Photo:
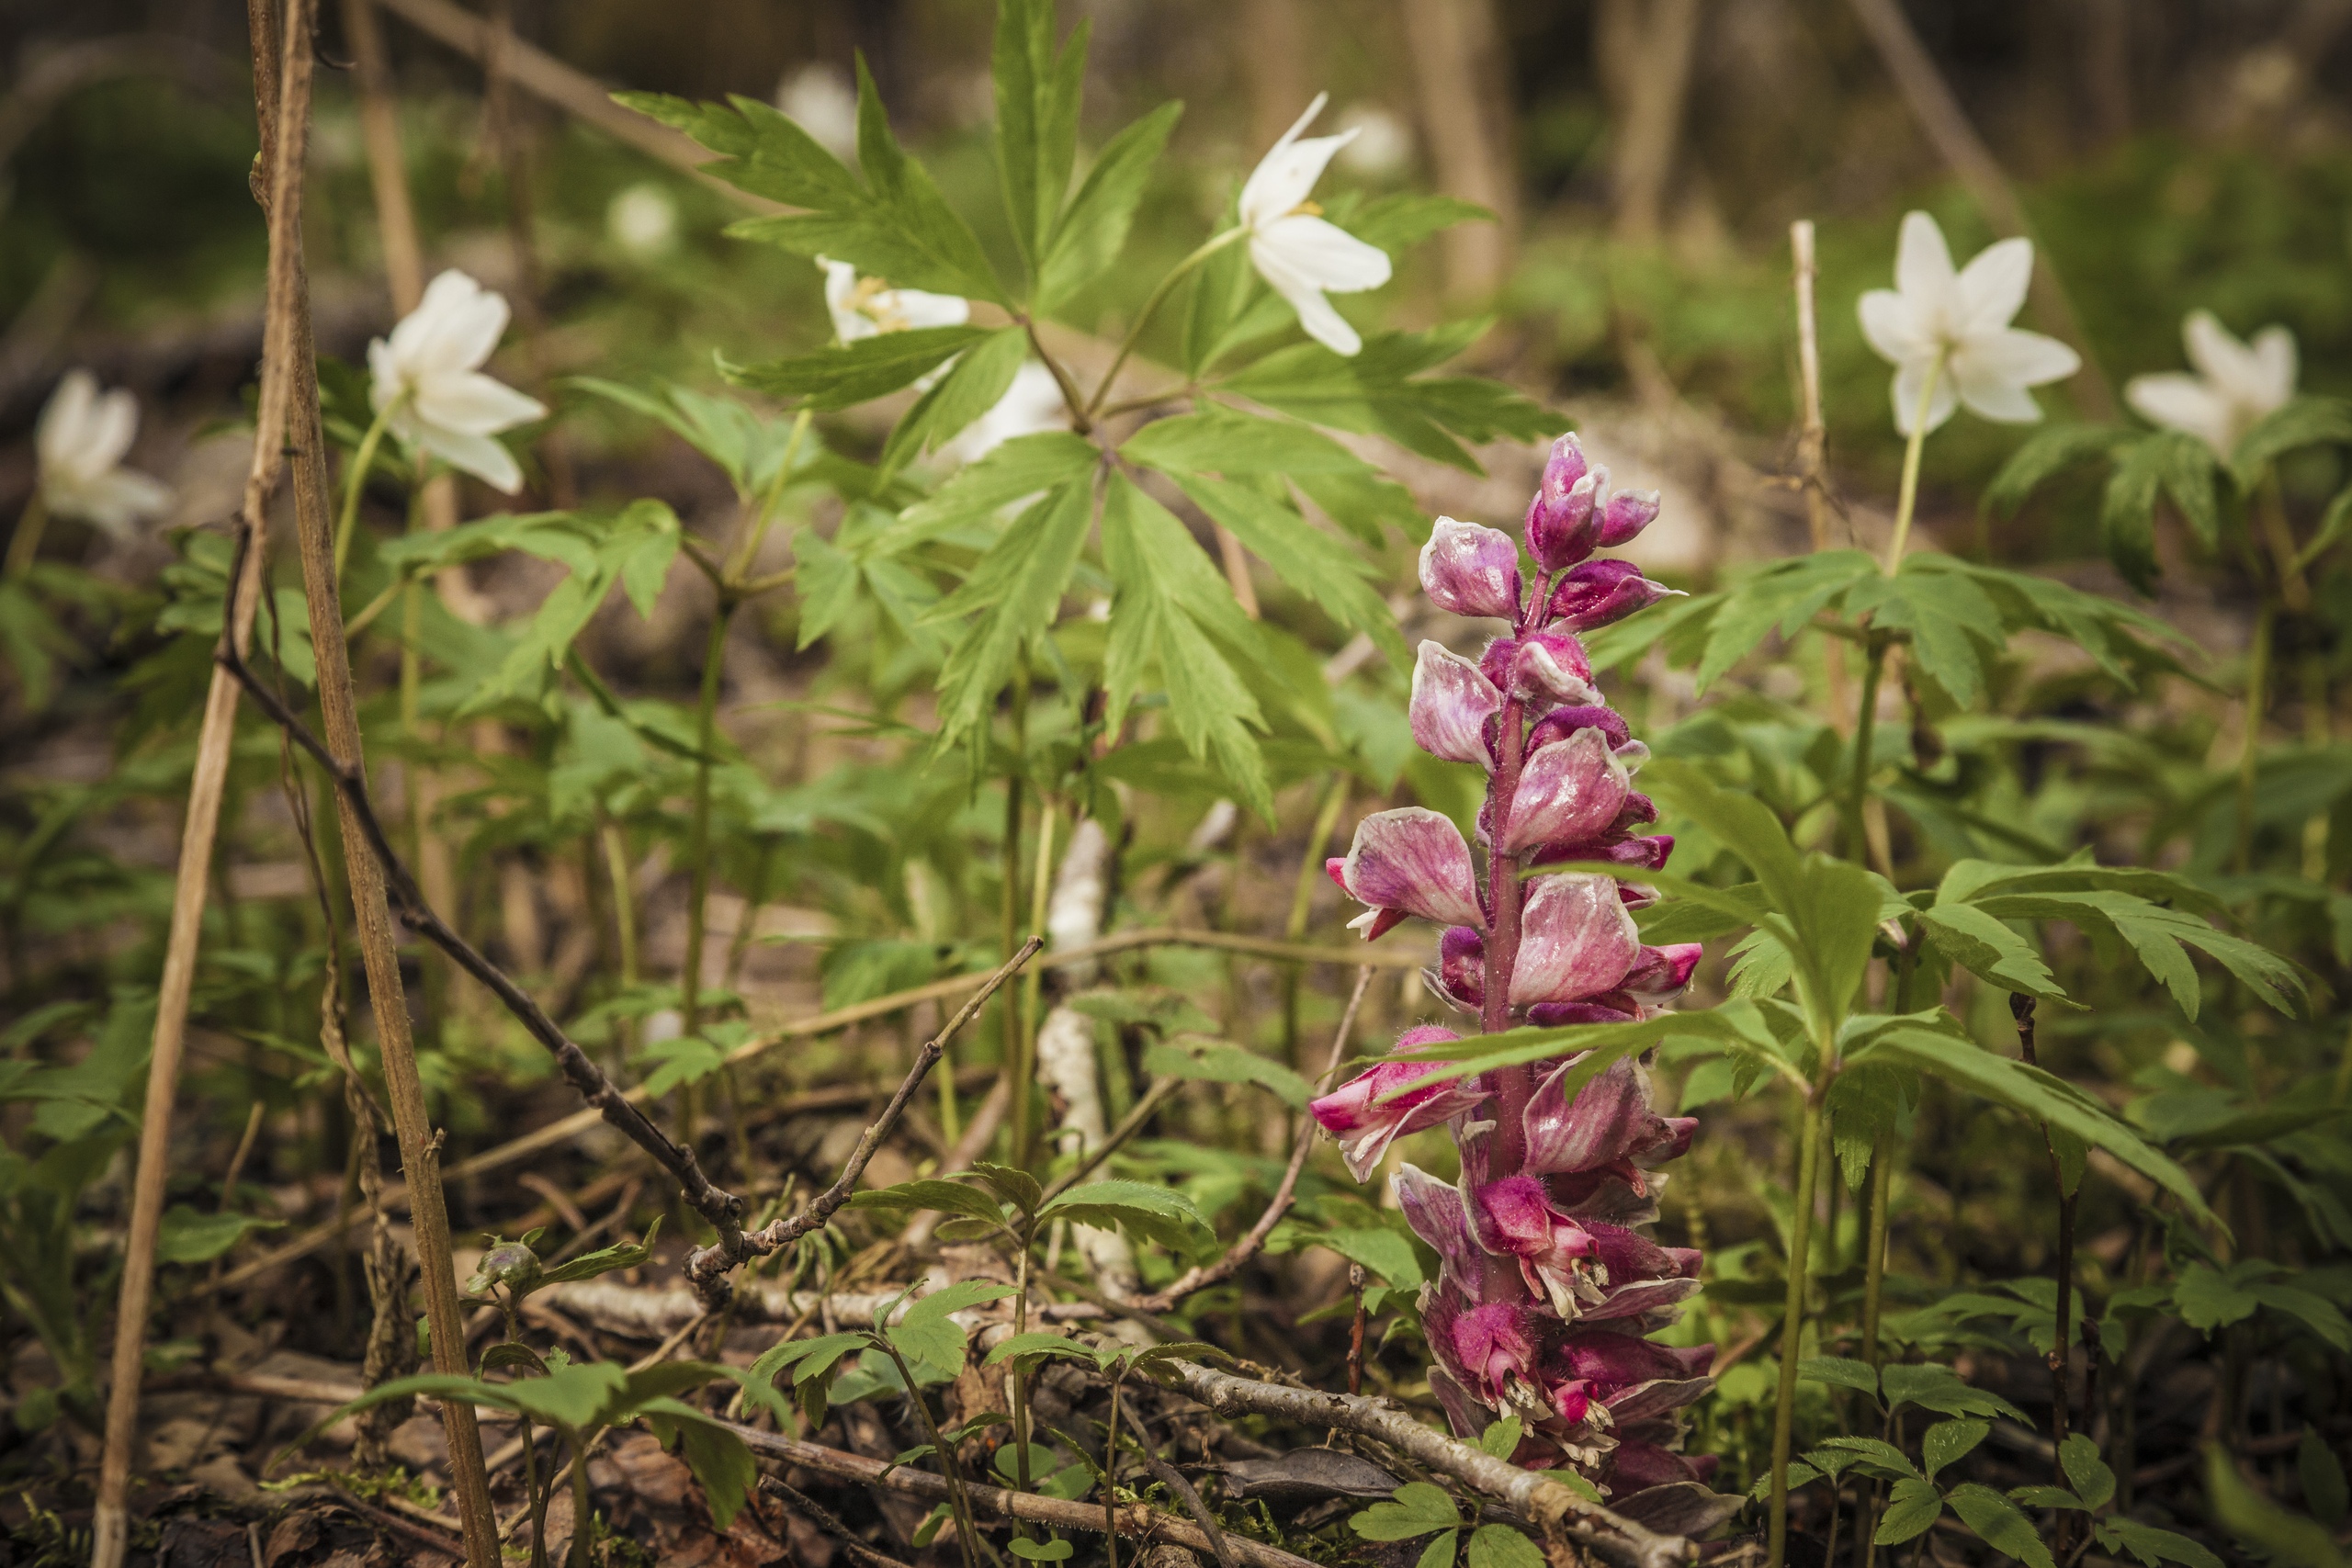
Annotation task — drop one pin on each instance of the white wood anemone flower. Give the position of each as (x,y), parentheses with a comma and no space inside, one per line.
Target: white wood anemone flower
(80,443)
(1301,253)
(1033,404)
(2239,383)
(428,388)
(1952,327)
(867,307)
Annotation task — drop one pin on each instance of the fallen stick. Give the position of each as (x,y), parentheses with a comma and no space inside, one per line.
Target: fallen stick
(1241,1251)
(1134,1520)
(825,1520)
(1533,1495)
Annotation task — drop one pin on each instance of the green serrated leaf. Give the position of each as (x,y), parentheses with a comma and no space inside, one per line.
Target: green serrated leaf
(1094,230)
(847,374)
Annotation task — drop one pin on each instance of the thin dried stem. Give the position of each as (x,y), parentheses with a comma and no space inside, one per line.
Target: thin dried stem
(1240,1252)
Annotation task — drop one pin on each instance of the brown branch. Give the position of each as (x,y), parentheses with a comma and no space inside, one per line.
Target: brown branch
(1168,1476)
(1240,1252)
(1135,1520)
(707,1266)
(825,1520)
(1535,1496)
(722,1209)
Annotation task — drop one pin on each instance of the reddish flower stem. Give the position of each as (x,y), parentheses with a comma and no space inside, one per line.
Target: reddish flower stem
(1512,1085)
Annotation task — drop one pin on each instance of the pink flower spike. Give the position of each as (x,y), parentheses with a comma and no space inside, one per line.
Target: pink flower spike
(1551,668)
(1364,1128)
(1599,593)
(1450,705)
(1610,1124)
(1496,1345)
(1410,862)
(1613,1360)
(1569,791)
(1461,965)
(1625,515)
(1467,569)
(1662,973)
(1561,723)
(1562,522)
(1577,941)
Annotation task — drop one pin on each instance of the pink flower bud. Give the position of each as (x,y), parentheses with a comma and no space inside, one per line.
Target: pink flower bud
(1609,1125)
(1611,1007)
(1625,515)
(1599,593)
(1563,523)
(1662,973)
(1561,723)
(1365,1127)
(1569,791)
(1450,705)
(1461,965)
(1467,569)
(1576,940)
(1551,667)
(1408,862)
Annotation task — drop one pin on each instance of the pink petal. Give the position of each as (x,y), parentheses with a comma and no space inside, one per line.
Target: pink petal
(1549,668)
(1562,523)
(1577,941)
(1569,792)
(1599,593)
(1626,513)
(1467,569)
(1412,859)
(1435,1210)
(1450,705)
(1609,1120)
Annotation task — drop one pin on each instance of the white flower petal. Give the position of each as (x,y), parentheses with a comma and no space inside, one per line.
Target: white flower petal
(2027,359)
(1282,179)
(118,499)
(107,433)
(1990,395)
(1894,328)
(1909,377)
(1322,253)
(475,455)
(473,404)
(384,381)
(1923,271)
(61,436)
(454,327)
(2274,353)
(1304,290)
(2182,402)
(1992,287)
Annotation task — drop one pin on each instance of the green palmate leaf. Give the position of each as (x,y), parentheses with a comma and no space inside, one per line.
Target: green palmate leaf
(1384,1252)
(2286,1538)
(1308,560)
(1361,502)
(2305,422)
(2152,1546)
(1501,1546)
(2331,525)
(718,1459)
(2322,1474)
(1173,613)
(603,1259)
(972,497)
(1037,1343)
(2094,1482)
(2116,635)
(2035,1094)
(980,377)
(1218,440)
(1989,950)
(1157,1214)
(1220,1061)
(2126,513)
(2045,453)
(1398,221)
(1952,622)
(1501,1440)
(2190,473)
(1877,1457)
(1012,595)
(634,549)
(748,447)
(1840,1370)
(1094,230)
(1911,1510)
(933,1194)
(2161,938)
(1594,1045)
(2001,1523)
(190,1235)
(1037,116)
(838,377)
(1416,1508)
(1382,392)
(1783,596)
(927,1338)
(1945,1442)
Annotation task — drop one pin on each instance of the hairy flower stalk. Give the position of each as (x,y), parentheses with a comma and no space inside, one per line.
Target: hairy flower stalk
(1549,1286)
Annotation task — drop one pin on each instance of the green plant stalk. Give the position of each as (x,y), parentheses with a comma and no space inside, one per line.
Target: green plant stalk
(1159,296)
(1019,1383)
(1016,1079)
(1865,740)
(1310,870)
(1906,499)
(2258,702)
(756,528)
(1793,1323)
(580,1504)
(1874,1263)
(1041,890)
(353,482)
(1111,1476)
(965,1533)
(624,925)
(698,848)
(24,545)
